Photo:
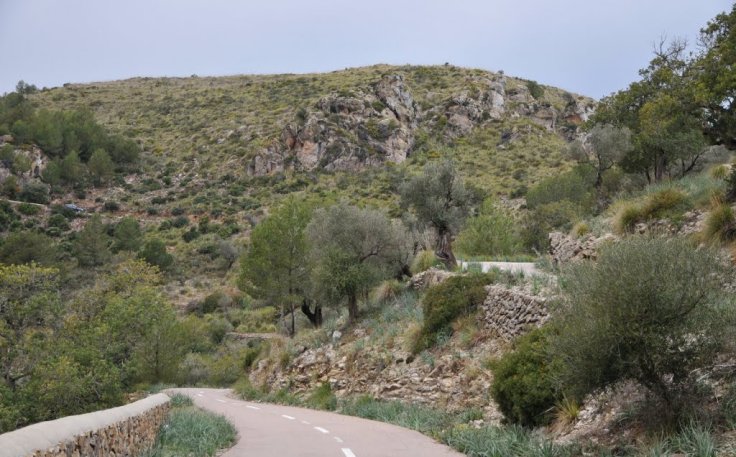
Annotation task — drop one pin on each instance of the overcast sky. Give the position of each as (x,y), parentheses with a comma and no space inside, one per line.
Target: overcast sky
(592,47)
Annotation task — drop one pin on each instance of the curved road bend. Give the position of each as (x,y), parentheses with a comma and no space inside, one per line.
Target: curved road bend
(267,430)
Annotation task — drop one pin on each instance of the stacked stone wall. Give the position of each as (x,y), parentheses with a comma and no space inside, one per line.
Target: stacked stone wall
(511,312)
(126,431)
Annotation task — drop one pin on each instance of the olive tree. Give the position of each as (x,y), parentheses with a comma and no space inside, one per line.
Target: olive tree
(440,199)
(650,309)
(351,250)
(606,145)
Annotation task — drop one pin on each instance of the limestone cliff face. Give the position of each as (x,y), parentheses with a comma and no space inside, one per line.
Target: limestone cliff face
(365,128)
(346,132)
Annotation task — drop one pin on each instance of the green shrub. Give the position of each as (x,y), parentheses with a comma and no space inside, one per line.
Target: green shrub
(58,221)
(28,209)
(445,302)
(423,261)
(190,235)
(491,233)
(34,193)
(523,383)
(180,221)
(111,206)
(575,186)
(246,390)
(322,398)
(546,218)
(535,90)
(658,301)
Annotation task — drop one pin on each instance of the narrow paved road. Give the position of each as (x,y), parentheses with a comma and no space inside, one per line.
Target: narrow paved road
(267,430)
(528,268)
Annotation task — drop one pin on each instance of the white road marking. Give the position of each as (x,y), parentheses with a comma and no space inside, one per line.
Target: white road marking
(305,423)
(338,440)
(320,429)
(200,395)
(201,392)
(221,401)
(347,452)
(288,417)
(252,407)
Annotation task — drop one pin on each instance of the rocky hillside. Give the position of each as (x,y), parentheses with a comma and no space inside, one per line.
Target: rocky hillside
(240,126)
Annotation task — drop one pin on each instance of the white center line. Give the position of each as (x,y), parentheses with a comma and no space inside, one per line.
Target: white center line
(201,392)
(320,429)
(288,417)
(305,423)
(200,395)
(339,440)
(221,401)
(347,452)
(252,407)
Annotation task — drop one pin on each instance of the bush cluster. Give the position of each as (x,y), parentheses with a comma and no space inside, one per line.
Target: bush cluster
(456,297)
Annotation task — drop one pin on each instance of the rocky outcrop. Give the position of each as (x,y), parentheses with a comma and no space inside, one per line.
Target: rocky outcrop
(691,222)
(124,431)
(346,132)
(565,248)
(429,278)
(510,312)
(366,127)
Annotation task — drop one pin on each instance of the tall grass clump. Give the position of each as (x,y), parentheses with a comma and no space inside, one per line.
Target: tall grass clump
(193,432)
(668,203)
(720,224)
(503,442)
(424,419)
(322,398)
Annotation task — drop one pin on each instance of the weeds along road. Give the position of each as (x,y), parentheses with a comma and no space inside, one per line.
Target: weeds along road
(266,430)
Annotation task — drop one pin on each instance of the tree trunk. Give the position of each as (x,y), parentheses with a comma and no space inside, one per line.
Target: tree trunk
(314,317)
(293,321)
(444,250)
(353,308)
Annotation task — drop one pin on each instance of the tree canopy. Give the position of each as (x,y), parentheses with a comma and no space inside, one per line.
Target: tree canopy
(439,199)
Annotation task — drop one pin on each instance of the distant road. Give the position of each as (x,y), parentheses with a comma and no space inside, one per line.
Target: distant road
(528,268)
(267,430)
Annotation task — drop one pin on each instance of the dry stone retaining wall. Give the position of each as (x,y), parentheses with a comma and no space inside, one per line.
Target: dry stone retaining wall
(512,312)
(123,431)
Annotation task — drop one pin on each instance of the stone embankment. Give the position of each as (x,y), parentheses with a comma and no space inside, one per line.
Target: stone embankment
(452,378)
(510,312)
(126,431)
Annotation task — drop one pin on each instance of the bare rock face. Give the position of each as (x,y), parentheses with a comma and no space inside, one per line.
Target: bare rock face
(512,312)
(346,132)
(376,124)
(429,278)
(35,156)
(565,248)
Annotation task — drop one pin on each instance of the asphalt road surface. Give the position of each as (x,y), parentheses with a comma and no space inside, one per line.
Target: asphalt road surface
(266,430)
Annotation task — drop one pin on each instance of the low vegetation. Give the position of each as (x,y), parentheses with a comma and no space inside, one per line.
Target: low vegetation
(192,432)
